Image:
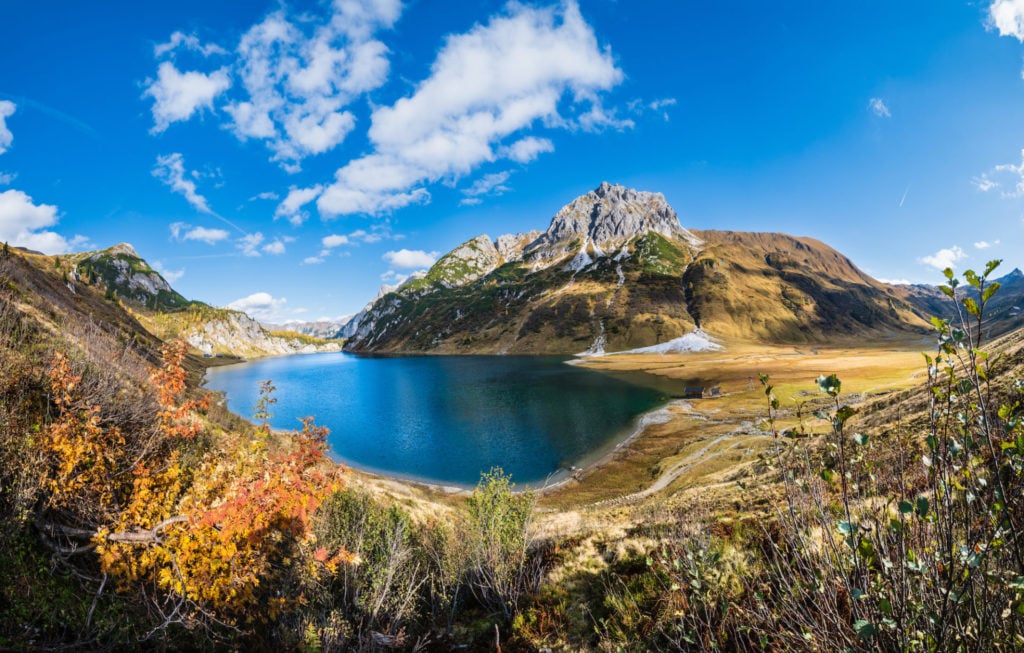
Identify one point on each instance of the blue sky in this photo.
(289, 157)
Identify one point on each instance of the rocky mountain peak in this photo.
(123, 248)
(604, 220)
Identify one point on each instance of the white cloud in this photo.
(275, 247)
(407, 259)
(485, 85)
(265, 195)
(171, 276)
(1007, 16)
(6, 178)
(368, 237)
(944, 258)
(259, 305)
(188, 41)
(313, 260)
(393, 278)
(639, 106)
(6, 137)
(292, 205)
(984, 184)
(300, 75)
(878, 107)
(334, 240)
(984, 244)
(492, 184)
(471, 201)
(526, 149)
(205, 235)
(250, 244)
(23, 223)
(170, 169)
(178, 96)
(1004, 175)
(897, 282)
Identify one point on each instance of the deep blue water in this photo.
(446, 418)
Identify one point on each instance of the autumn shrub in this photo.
(503, 568)
(376, 598)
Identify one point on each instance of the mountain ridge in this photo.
(616, 263)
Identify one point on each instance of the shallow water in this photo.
(446, 419)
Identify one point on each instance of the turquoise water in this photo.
(446, 418)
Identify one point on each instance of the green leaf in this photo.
(971, 306)
(845, 527)
(922, 507)
(948, 273)
(860, 439)
(906, 507)
(829, 384)
(972, 278)
(992, 289)
(865, 629)
(992, 265)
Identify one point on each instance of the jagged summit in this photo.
(122, 248)
(604, 220)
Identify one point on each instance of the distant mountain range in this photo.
(615, 270)
(123, 277)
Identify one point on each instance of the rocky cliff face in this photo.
(237, 334)
(615, 270)
(601, 223)
(121, 272)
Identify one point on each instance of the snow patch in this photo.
(581, 260)
(597, 347)
(694, 341)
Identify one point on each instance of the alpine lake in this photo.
(446, 419)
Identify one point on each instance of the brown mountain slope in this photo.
(748, 286)
(780, 288)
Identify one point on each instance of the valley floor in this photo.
(698, 449)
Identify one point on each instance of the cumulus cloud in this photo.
(1008, 176)
(984, 244)
(944, 258)
(177, 96)
(170, 169)
(182, 231)
(491, 184)
(275, 247)
(526, 149)
(6, 137)
(170, 276)
(249, 244)
(259, 305)
(189, 42)
(407, 259)
(897, 282)
(878, 107)
(299, 76)
(334, 240)
(291, 207)
(1007, 17)
(24, 223)
(527, 66)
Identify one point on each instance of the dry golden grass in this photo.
(710, 444)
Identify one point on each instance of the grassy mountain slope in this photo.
(748, 286)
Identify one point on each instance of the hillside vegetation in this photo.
(136, 513)
(616, 271)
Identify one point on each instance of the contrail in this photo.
(904, 198)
